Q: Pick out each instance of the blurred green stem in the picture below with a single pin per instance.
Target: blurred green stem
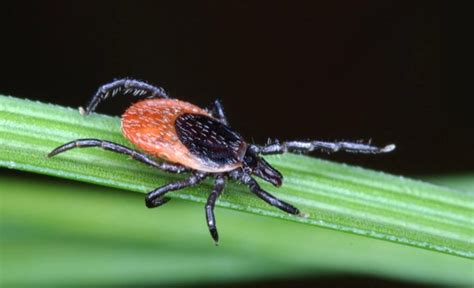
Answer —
(55, 234)
(335, 196)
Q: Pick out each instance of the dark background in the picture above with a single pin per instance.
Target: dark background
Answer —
(346, 70)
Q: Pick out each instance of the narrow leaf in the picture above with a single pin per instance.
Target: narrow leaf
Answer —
(335, 196)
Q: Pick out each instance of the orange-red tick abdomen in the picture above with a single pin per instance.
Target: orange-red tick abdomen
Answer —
(150, 125)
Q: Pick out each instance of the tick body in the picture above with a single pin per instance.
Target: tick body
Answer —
(184, 134)
(199, 141)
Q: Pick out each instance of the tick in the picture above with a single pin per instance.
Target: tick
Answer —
(198, 141)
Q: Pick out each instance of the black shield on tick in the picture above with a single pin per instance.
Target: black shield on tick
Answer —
(210, 140)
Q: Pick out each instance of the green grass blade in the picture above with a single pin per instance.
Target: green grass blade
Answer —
(336, 196)
(462, 182)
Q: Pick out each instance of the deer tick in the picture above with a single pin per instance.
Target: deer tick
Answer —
(199, 141)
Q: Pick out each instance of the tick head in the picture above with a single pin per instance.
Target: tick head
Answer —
(262, 168)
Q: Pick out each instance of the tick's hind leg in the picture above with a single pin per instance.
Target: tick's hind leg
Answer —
(126, 87)
(302, 146)
(211, 202)
(155, 197)
(117, 148)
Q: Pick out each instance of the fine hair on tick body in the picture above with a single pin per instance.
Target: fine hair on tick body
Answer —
(198, 141)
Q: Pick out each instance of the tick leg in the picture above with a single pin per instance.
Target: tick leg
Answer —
(155, 197)
(267, 197)
(125, 87)
(211, 202)
(218, 112)
(301, 146)
(117, 148)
